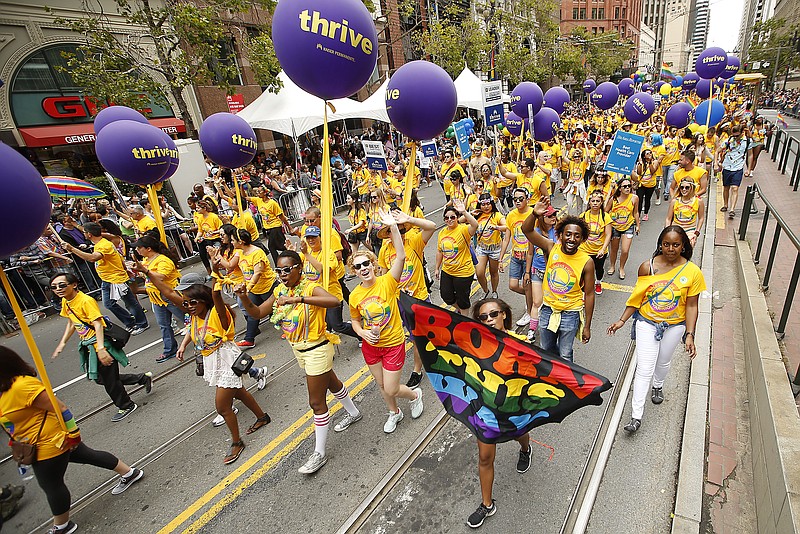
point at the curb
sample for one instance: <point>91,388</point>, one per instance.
<point>691,468</point>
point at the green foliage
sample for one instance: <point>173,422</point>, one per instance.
<point>604,53</point>
<point>766,38</point>
<point>453,41</point>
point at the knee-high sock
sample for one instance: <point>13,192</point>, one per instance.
<point>344,397</point>
<point>321,424</point>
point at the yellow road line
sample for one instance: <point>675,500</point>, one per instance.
<point>617,287</point>
<point>243,468</point>
<point>720,220</point>
<point>261,471</point>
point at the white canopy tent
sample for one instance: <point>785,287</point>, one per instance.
<point>468,89</point>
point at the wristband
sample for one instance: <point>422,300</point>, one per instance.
<point>69,420</point>
<point>302,299</point>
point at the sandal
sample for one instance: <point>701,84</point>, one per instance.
<point>611,271</point>
<point>234,452</point>
<point>724,208</point>
<point>263,421</point>
<point>621,275</point>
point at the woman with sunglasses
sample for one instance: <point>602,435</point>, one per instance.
<point>377,203</point>
<point>454,265</point>
<point>100,360</point>
<point>212,330</point>
<point>687,210</point>
<point>596,245</point>
<point>357,215</point>
<point>208,226</point>
<point>664,307</point>
<point>623,207</point>
<point>645,173</point>
<point>575,187</point>
<point>260,280</point>
<point>376,318</point>
<point>491,227</point>
<point>519,272</point>
<point>448,166</point>
<point>496,314</point>
<point>298,306</point>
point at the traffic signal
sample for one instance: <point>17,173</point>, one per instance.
<point>746,66</point>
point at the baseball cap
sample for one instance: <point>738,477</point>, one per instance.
<point>190,279</point>
<point>550,210</point>
<point>312,231</point>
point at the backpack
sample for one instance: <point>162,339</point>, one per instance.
<point>347,250</point>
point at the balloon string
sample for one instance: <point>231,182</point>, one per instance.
<point>326,201</point>
<point>409,188</point>
<point>37,357</point>
<point>155,207</point>
<point>552,449</point>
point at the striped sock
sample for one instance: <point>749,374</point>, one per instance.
<point>534,324</point>
<point>321,424</point>
<point>344,397</point>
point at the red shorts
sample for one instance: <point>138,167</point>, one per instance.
<point>392,358</point>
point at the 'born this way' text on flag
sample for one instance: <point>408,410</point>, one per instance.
<point>500,387</point>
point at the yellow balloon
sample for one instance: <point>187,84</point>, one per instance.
<point>703,129</point>
<point>694,127</point>
<point>665,89</point>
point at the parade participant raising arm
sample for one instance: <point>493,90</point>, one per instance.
<point>453,257</point>
<point>568,283</point>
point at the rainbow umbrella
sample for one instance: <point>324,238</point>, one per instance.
<point>67,186</point>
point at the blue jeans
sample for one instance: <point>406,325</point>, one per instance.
<point>561,341</point>
<point>164,316</point>
<point>252,324</point>
<point>133,317</point>
<point>669,173</point>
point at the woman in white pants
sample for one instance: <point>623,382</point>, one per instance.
<point>664,307</point>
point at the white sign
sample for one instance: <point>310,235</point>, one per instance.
<point>376,157</point>
<point>492,99</point>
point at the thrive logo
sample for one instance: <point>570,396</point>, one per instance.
<point>639,106</point>
<point>314,23</point>
<point>714,59</point>
<point>153,153</point>
<point>245,142</point>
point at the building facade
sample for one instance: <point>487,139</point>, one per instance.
<point>698,23</point>
<point>677,36</point>
<point>762,10</point>
<point>647,50</point>
<point>654,15</point>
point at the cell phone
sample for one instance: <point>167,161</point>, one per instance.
<point>393,205</point>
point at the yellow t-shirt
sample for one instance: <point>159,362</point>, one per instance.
<point>647,178</point>
<point>360,217</point>
<point>446,171</point>
<point>362,175</point>
<point>208,225</point>
<point>144,224</point>
<point>23,421</point>
<point>622,214</point>
<point>695,174</point>
<point>605,188</point>
<point>597,231</point>
<point>659,151</point>
<point>82,309</point>
<point>163,266</point>
<point>577,170</point>
<point>510,167</point>
<point>303,322</point>
<point>377,306</point>
<point>270,212</point>
<point>562,279</point>
<point>519,243</point>
<point>337,272</point>
<point>668,305</point>
<point>412,280</point>
<point>209,338</point>
<point>489,237</point>
<point>535,183</point>
<point>246,222</point>
<point>685,215</point>
<point>110,268</point>
<point>247,264</point>
<point>454,247</point>
<point>672,148</point>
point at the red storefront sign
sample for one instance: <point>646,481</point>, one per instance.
<point>235,103</point>
<point>69,134</point>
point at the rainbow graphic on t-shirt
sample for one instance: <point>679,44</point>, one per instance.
<point>561,278</point>
<point>375,311</point>
<point>448,247</point>
<point>662,301</point>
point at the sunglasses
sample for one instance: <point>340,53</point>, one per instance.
<point>492,314</point>
<point>363,265</point>
<point>625,186</point>
<point>285,270</point>
<point>687,187</point>
<point>62,285</point>
<point>450,218</point>
<point>519,199</point>
<point>190,302</point>
<point>373,198</point>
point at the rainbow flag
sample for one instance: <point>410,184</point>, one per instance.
<point>666,73</point>
<point>781,121</point>
<point>693,101</point>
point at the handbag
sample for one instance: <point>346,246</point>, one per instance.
<point>22,452</point>
<point>242,364</point>
<point>199,368</point>
<point>116,335</point>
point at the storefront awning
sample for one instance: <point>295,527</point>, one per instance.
<point>70,134</point>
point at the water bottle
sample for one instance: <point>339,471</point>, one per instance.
<point>25,472</point>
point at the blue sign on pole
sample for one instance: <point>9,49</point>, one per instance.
<point>492,97</point>
<point>429,149</point>
<point>376,157</point>
<point>624,152</point>
<point>462,138</point>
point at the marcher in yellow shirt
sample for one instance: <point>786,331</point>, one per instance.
<point>454,263</point>
<point>375,315</point>
<point>491,227</point>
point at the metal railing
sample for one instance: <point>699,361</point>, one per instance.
<point>295,203</point>
<point>781,227</point>
<point>780,145</point>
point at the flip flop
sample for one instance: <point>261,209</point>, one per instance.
<point>610,272</point>
<point>724,208</point>
<point>621,275</point>
<point>234,452</point>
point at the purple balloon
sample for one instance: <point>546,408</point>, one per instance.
<point>690,80</point>
<point>173,156</point>
<point>704,88</point>
<point>732,67</point>
<point>556,98</point>
<point>606,95</point>
<point>116,113</point>
<point>524,94</point>
<point>421,100</point>
<point>639,108</point>
<point>711,62</point>
<point>25,212</point>
<point>647,88</point>
<point>626,87</point>
<point>545,124</point>
<point>679,115</point>
<point>133,152</point>
<point>514,123</point>
<point>589,85</point>
<point>228,140</point>
<point>329,49</point>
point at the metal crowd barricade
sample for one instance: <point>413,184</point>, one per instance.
<point>295,203</point>
<point>780,146</point>
<point>780,227</point>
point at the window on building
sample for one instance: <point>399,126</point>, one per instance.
<point>616,12</point>
<point>594,13</point>
<point>624,12</point>
<point>41,71</point>
<point>594,30</point>
<point>601,13</point>
<point>575,13</point>
<point>582,13</point>
<point>226,58</point>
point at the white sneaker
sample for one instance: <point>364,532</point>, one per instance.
<point>416,405</point>
<point>345,422</point>
<point>531,336</point>
<point>525,319</point>
<point>219,420</point>
<point>261,380</point>
<point>391,422</point>
<point>314,463</point>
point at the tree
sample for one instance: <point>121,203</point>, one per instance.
<point>166,46</point>
<point>600,55</point>
<point>765,41</point>
<point>453,41</point>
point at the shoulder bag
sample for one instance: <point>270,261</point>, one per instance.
<point>23,452</point>
<point>115,334</point>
